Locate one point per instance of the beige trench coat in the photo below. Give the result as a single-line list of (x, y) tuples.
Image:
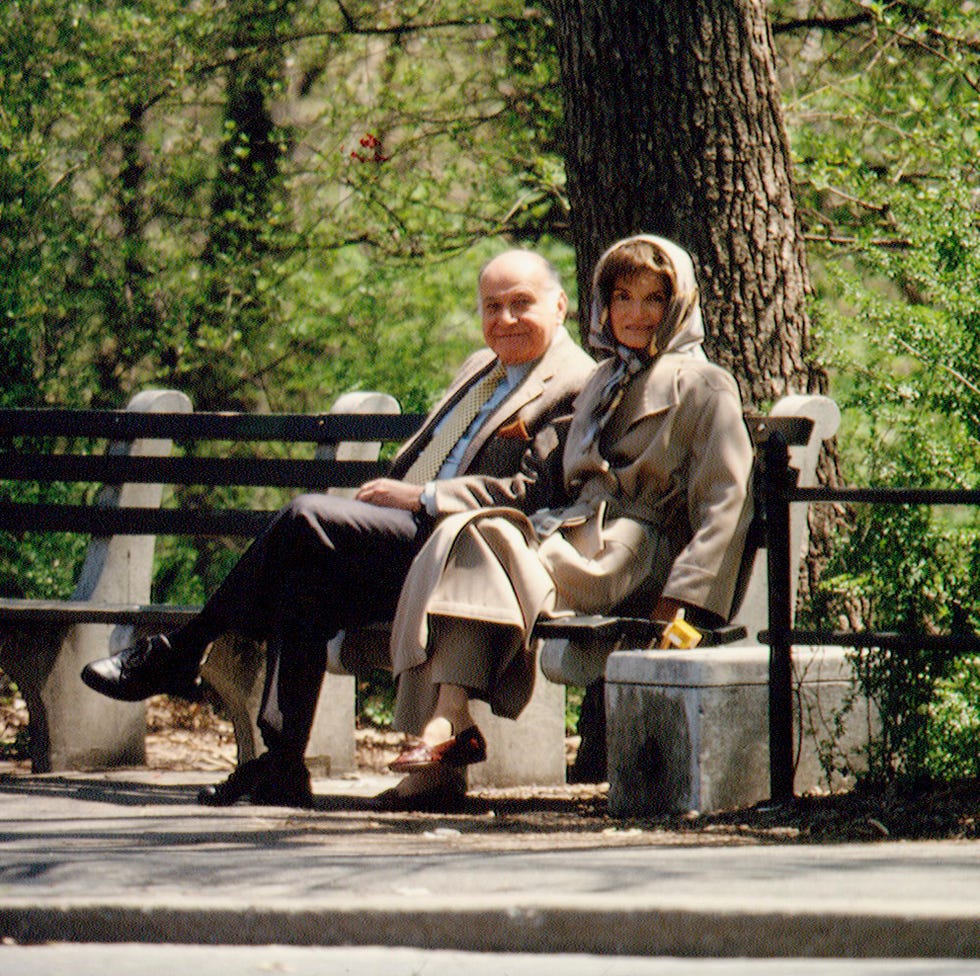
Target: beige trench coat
[(668, 516)]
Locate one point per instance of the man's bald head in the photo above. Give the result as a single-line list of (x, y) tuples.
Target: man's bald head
[(522, 304)]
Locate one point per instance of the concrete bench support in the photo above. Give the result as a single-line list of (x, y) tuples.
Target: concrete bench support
[(528, 751), (71, 726), (687, 730)]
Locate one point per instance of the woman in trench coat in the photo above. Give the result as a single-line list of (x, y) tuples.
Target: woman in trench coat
[(656, 470)]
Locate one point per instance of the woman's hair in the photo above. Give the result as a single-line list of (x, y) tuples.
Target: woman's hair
[(629, 259)]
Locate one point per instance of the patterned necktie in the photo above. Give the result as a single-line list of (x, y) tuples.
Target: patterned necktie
[(432, 457)]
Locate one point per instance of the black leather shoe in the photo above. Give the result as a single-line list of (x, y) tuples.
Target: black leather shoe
[(146, 668), (237, 786), (283, 786), (262, 782)]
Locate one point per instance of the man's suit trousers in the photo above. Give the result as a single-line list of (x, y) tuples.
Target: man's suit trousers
[(324, 563)]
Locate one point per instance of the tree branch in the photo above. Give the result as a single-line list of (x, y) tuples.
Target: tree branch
[(896, 243), (938, 365), (348, 19), (832, 24)]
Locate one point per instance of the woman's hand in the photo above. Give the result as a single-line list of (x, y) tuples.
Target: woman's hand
[(666, 608)]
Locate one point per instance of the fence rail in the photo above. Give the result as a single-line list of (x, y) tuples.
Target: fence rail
[(779, 492)]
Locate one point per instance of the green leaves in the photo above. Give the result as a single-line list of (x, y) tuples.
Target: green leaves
[(882, 116)]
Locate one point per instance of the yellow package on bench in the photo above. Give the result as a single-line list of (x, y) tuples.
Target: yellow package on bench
[(680, 634)]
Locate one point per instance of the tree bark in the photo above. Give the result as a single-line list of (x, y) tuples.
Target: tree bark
[(674, 126)]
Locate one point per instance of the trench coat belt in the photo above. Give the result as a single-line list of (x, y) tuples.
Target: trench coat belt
[(547, 521)]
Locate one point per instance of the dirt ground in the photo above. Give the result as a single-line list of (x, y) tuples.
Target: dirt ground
[(187, 737)]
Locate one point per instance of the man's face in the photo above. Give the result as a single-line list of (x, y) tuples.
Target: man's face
[(521, 306)]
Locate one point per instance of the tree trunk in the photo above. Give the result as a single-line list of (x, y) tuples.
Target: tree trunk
[(249, 224), (674, 126)]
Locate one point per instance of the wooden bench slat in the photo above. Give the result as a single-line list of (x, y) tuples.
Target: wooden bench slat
[(15, 517), (76, 611), (588, 629), (312, 474), (128, 425)]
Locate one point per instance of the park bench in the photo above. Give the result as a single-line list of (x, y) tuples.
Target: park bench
[(44, 644), (122, 459)]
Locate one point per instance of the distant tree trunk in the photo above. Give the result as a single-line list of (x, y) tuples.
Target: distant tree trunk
[(674, 126), (249, 222), (130, 311)]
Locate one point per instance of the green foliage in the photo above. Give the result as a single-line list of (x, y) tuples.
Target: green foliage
[(888, 190), (909, 576), (38, 565), (953, 724), (269, 204), (264, 205), (376, 698), (181, 185)]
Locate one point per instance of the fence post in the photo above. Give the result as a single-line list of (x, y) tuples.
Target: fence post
[(776, 484)]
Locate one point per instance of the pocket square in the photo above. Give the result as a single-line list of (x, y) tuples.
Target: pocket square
[(518, 430)]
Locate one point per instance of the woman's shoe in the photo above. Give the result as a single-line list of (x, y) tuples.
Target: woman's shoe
[(464, 749)]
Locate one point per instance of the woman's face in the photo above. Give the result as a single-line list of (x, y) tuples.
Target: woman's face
[(637, 307)]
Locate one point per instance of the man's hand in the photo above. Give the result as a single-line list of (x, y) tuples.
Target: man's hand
[(389, 493)]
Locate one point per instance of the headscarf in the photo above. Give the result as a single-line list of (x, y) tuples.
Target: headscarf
[(681, 331)]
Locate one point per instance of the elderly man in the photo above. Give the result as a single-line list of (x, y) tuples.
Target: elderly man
[(327, 563)]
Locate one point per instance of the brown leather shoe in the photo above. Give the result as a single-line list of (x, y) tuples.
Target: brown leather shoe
[(464, 749)]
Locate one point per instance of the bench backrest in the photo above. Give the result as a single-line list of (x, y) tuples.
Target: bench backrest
[(138, 455), (50, 453)]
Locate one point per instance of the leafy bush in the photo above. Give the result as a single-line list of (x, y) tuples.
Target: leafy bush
[(889, 190), (907, 378)]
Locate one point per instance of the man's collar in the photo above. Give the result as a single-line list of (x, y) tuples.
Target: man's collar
[(517, 372)]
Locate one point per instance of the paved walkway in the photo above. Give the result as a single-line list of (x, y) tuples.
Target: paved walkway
[(130, 857)]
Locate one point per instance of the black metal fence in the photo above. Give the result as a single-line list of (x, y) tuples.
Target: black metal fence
[(779, 492)]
